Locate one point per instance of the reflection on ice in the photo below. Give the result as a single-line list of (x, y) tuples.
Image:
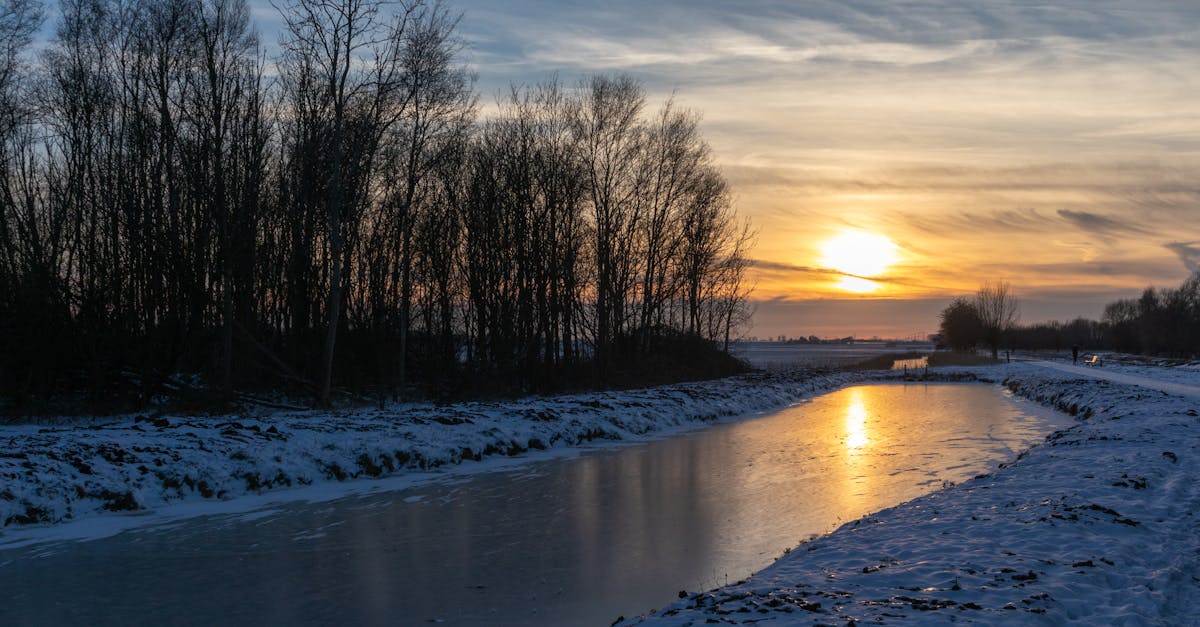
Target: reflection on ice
[(856, 421)]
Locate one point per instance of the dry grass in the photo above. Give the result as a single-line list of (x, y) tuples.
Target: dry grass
[(884, 362)]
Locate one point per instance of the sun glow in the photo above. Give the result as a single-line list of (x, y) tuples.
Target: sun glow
[(856, 284), (860, 256)]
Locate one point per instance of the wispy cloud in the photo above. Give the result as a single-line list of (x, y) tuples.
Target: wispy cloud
[(1097, 223), (1188, 252)]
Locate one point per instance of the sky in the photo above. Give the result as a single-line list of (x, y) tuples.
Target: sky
[(1055, 146)]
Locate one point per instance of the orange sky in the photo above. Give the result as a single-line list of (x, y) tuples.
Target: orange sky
[(1055, 145)]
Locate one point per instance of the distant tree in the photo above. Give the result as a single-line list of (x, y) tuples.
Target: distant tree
[(1055, 335), (998, 312), (1162, 321), (1151, 321), (1120, 322), (437, 103), (1081, 332), (1181, 316), (961, 329)]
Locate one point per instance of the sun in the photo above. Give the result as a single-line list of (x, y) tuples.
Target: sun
[(861, 256)]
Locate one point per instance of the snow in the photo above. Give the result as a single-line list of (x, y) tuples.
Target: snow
[(1095, 526), (81, 469)]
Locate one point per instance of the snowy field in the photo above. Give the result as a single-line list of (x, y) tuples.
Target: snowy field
[(1098, 525)]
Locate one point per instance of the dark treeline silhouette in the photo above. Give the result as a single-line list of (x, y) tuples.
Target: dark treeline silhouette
[(1162, 322), (985, 320), (173, 203), (1058, 335)]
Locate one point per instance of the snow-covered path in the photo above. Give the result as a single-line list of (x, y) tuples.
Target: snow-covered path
[(1119, 377)]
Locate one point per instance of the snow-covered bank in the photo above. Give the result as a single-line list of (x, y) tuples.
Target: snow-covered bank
[(73, 470), (1098, 525)]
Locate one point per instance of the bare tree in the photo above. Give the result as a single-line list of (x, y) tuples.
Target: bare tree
[(734, 309), (19, 19), (607, 123), (438, 103), (225, 113), (30, 239), (998, 311), (342, 56), (706, 223), (676, 161)]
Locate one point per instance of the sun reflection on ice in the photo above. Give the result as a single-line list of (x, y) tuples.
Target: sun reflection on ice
[(856, 419)]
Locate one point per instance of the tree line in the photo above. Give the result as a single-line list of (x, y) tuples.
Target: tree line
[(177, 207), (1162, 322), (987, 319)]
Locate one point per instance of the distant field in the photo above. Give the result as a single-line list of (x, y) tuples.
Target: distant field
[(776, 355)]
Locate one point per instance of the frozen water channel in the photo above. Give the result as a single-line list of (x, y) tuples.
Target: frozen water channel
[(579, 540)]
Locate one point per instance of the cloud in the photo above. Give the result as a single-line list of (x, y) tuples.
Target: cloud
[(788, 270), (762, 37), (763, 264), (1127, 180), (1188, 252), (1099, 224), (994, 222)]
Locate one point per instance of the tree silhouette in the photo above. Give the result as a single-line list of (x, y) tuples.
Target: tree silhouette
[(961, 328), (998, 311)]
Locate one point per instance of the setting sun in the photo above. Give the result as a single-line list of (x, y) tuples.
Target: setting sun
[(862, 256)]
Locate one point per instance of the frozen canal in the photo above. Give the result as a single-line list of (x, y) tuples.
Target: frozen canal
[(568, 541)]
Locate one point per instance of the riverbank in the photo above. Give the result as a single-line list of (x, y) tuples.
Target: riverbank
[(85, 467), (1095, 526)]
